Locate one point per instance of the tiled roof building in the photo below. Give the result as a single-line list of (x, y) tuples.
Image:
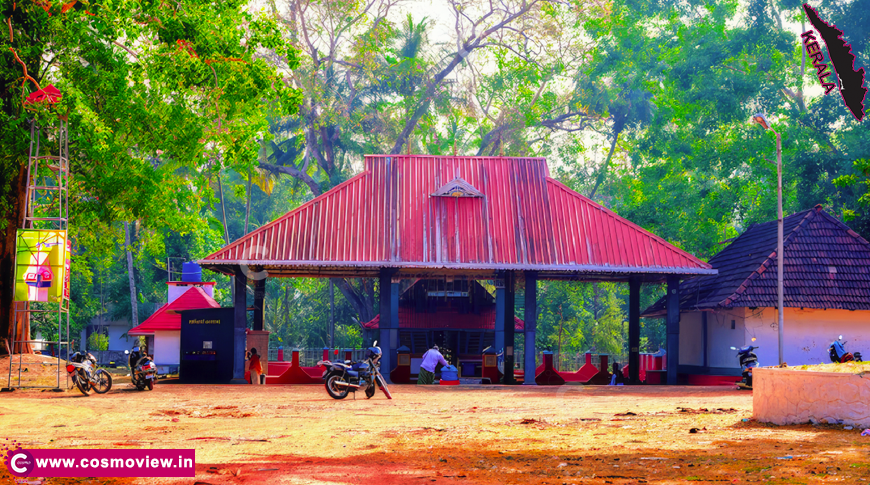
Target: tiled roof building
[(827, 265)]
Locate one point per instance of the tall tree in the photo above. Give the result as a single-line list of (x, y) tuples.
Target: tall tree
[(131, 275), (158, 96)]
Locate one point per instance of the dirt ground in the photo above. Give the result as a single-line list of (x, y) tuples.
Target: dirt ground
[(441, 434)]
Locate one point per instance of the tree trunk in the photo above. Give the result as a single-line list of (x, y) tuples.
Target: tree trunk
[(132, 276), (226, 230), (16, 181), (360, 300), (223, 210), (331, 315), (603, 172), (248, 205)]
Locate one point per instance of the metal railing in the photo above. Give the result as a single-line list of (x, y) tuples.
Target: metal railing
[(310, 357), (572, 362), (565, 363)]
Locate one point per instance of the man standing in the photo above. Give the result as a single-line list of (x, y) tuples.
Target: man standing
[(431, 359), (254, 366)]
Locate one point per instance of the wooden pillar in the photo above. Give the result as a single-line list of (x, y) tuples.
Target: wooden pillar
[(259, 300), (389, 323), (634, 330), (499, 312), (531, 320), (509, 327), (672, 300), (240, 325), (704, 348), (454, 359)]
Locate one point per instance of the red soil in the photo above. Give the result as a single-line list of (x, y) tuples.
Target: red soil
[(456, 434)]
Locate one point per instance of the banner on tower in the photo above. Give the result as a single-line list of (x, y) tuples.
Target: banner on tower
[(41, 265)]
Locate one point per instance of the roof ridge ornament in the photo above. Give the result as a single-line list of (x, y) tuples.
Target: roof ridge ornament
[(457, 187)]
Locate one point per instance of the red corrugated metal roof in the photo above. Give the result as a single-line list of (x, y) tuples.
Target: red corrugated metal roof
[(166, 318), (451, 319), (387, 217)]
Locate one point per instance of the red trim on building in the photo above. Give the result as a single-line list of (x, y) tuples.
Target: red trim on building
[(167, 318), (445, 319)]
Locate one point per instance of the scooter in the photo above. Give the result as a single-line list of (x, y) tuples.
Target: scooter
[(838, 354), (143, 372), (748, 361), (344, 378)]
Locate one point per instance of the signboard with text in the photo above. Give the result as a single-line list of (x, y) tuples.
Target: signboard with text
[(42, 265)]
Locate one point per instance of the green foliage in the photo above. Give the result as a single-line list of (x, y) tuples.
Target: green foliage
[(648, 101), (160, 98), (98, 341)]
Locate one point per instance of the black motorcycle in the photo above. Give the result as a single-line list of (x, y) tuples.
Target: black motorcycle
[(82, 369), (342, 378), (748, 361), (143, 372)]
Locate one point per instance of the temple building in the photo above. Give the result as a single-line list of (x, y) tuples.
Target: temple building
[(459, 316), (469, 219)]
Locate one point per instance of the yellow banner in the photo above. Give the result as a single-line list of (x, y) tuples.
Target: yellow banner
[(41, 265)]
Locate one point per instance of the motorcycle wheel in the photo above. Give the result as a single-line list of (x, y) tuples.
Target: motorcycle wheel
[(384, 386), (150, 384), (81, 383), (334, 391), (102, 381), (370, 391)]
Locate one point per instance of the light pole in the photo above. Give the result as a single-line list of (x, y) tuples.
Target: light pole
[(780, 257)]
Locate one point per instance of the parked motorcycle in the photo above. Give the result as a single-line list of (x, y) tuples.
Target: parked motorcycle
[(838, 354), (143, 372), (748, 361), (342, 378), (82, 369)]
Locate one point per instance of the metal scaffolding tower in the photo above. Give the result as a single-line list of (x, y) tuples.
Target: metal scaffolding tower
[(47, 209)]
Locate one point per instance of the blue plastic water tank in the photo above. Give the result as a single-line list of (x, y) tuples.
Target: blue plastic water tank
[(191, 272), (449, 373)]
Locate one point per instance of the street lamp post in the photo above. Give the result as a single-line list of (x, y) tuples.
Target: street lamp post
[(780, 257)]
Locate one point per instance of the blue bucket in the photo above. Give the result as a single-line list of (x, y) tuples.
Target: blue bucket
[(449, 373)]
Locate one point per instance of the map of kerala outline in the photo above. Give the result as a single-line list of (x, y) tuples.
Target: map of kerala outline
[(850, 80)]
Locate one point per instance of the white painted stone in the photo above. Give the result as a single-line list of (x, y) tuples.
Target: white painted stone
[(783, 396)]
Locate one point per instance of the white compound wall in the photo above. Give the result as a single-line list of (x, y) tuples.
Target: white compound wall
[(782, 396)]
